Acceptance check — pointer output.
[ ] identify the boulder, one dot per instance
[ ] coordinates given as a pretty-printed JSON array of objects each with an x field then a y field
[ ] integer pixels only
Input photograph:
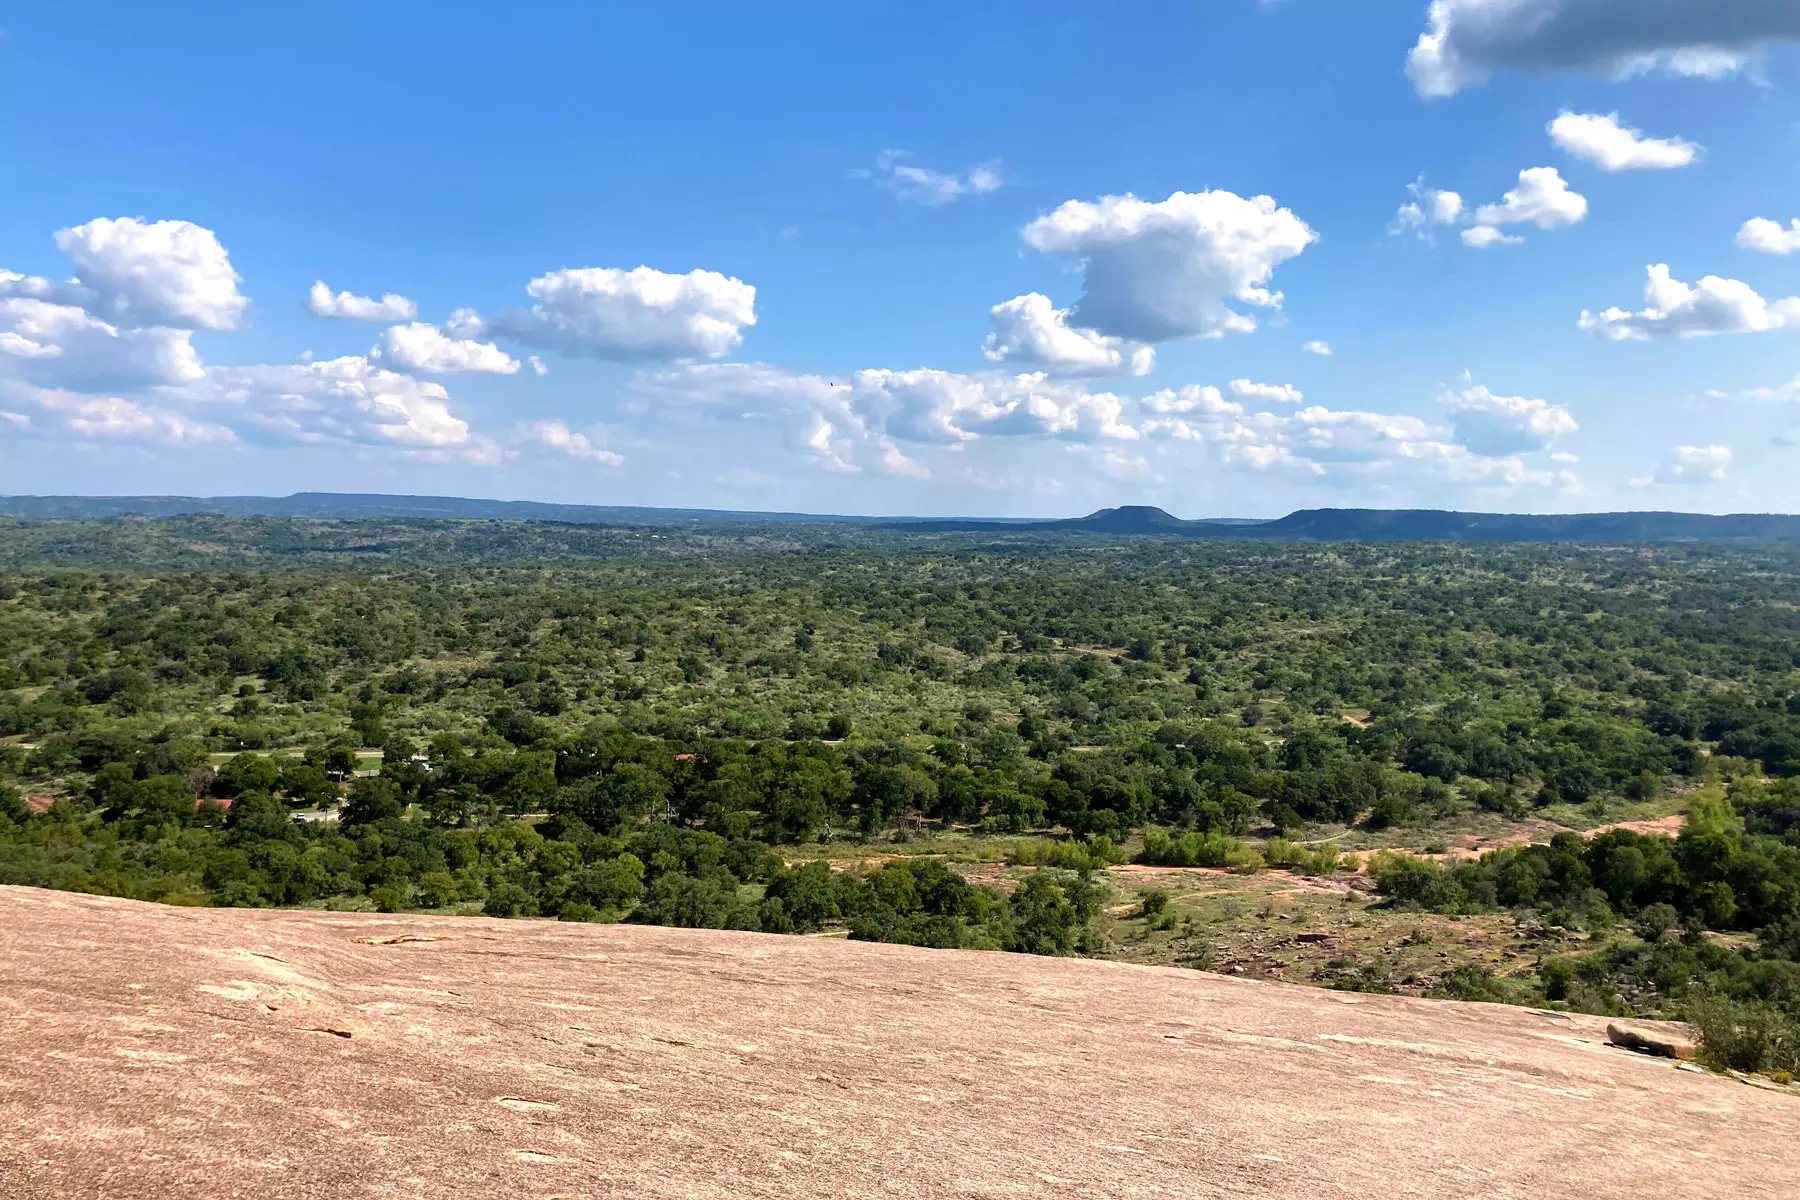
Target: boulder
[{"x": 1656, "y": 1043}]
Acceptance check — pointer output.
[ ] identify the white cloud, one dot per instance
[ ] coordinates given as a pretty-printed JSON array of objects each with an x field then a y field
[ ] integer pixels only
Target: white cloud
[
  {"x": 116, "y": 418},
  {"x": 14, "y": 284},
  {"x": 110, "y": 356},
  {"x": 171, "y": 273},
  {"x": 1193, "y": 398},
  {"x": 465, "y": 323},
  {"x": 844, "y": 424},
  {"x": 423, "y": 347},
  {"x": 555, "y": 435},
  {"x": 1277, "y": 393},
  {"x": 1428, "y": 207},
  {"x": 1483, "y": 236},
  {"x": 895, "y": 462},
  {"x": 1677, "y": 310},
  {"x": 1781, "y": 394},
  {"x": 1466, "y": 41},
  {"x": 606, "y": 312},
  {"x": 1322, "y": 349},
  {"x": 944, "y": 407},
  {"x": 62, "y": 346},
  {"x": 537, "y": 365},
  {"x": 1611, "y": 146},
  {"x": 1349, "y": 447},
  {"x": 1769, "y": 237},
  {"x": 921, "y": 185},
  {"x": 350, "y": 307},
  {"x": 1155, "y": 272},
  {"x": 1501, "y": 425},
  {"x": 343, "y": 400},
  {"x": 925, "y": 423},
  {"x": 1031, "y": 331},
  {"x": 1542, "y": 198},
  {"x": 1693, "y": 465}
]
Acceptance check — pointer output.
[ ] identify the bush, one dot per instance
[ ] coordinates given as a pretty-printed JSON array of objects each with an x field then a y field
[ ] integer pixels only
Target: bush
[
  {"x": 1411, "y": 881},
  {"x": 1745, "y": 1035},
  {"x": 571, "y": 911},
  {"x": 1469, "y": 982},
  {"x": 1302, "y": 860},
  {"x": 507, "y": 900},
  {"x": 1095, "y": 855},
  {"x": 1196, "y": 850},
  {"x": 1043, "y": 919}
]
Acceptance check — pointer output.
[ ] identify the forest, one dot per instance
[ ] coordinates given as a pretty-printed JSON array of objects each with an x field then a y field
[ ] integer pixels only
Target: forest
[{"x": 1007, "y": 741}]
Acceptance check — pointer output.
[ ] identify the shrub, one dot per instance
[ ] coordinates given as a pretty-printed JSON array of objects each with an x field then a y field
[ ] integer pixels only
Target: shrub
[
  {"x": 507, "y": 900},
  {"x": 1469, "y": 982},
  {"x": 1409, "y": 880},
  {"x": 1095, "y": 855},
  {"x": 1745, "y": 1035},
  {"x": 1302, "y": 860},
  {"x": 1196, "y": 850}
]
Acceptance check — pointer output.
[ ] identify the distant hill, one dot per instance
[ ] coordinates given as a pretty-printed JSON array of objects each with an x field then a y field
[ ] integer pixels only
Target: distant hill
[
  {"x": 1127, "y": 519},
  {"x": 1406, "y": 525},
  {"x": 351, "y": 506},
  {"x": 1132, "y": 520}
]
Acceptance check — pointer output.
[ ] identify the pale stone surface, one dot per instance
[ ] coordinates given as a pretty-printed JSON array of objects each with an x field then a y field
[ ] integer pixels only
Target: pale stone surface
[{"x": 151, "y": 1052}]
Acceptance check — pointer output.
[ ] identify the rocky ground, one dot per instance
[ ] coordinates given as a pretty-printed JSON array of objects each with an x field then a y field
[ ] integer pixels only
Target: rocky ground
[{"x": 153, "y": 1052}]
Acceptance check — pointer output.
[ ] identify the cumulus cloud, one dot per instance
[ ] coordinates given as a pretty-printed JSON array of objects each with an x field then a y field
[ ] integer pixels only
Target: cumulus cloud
[
  {"x": 60, "y": 345},
  {"x": 1612, "y": 146},
  {"x": 557, "y": 436},
  {"x": 1692, "y": 465},
  {"x": 169, "y": 273},
  {"x": 1483, "y": 236},
  {"x": 862, "y": 420},
  {"x": 1466, "y": 41},
  {"x": 423, "y": 347},
  {"x": 1542, "y": 198},
  {"x": 14, "y": 284},
  {"x": 115, "y": 418},
  {"x": 1769, "y": 237},
  {"x": 1277, "y": 393},
  {"x": 811, "y": 412},
  {"x": 1322, "y": 349},
  {"x": 1675, "y": 309},
  {"x": 109, "y": 355},
  {"x": 1782, "y": 393},
  {"x": 921, "y": 185},
  {"x": 945, "y": 407},
  {"x": 1428, "y": 207},
  {"x": 1501, "y": 425},
  {"x": 1031, "y": 331},
  {"x": 348, "y": 306},
  {"x": 1345, "y": 446},
  {"x": 342, "y": 400},
  {"x": 607, "y": 312},
  {"x": 1171, "y": 269}
]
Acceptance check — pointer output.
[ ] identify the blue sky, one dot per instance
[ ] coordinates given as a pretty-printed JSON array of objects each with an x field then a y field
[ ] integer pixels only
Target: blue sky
[{"x": 931, "y": 258}]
